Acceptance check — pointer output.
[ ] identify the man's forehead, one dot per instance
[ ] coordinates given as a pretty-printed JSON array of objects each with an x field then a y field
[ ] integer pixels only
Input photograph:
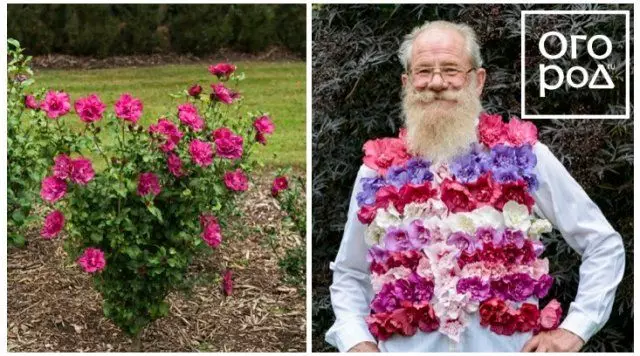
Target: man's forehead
[{"x": 437, "y": 41}]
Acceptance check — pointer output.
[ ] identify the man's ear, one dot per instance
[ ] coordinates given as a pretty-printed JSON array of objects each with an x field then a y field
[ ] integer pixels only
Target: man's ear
[
  {"x": 481, "y": 76},
  {"x": 404, "y": 78}
]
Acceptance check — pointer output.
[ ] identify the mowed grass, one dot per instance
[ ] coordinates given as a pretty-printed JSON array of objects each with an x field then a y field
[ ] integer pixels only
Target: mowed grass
[{"x": 274, "y": 87}]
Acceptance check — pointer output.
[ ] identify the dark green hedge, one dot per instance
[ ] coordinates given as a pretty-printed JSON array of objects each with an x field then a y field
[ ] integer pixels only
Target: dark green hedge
[
  {"x": 356, "y": 96},
  {"x": 125, "y": 29}
]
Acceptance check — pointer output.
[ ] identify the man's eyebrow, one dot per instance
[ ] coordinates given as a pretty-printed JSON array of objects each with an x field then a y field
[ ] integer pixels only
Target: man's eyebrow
[{"x": 442, "y": 64}]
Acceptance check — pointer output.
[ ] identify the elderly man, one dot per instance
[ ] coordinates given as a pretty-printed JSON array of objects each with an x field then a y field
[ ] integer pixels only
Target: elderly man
[{"x": 441, "y": 250}]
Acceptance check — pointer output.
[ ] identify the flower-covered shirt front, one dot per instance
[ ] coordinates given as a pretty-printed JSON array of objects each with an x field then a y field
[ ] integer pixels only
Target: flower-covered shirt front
[{"x": 448, "y": 239}]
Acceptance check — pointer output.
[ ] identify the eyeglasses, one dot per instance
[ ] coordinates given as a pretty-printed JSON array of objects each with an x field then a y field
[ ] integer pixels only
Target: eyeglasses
[{"x": 451, "y": 75}]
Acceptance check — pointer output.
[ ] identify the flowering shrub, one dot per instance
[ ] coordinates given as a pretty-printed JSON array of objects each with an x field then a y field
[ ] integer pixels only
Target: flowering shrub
[
  {"x": 290, "y": 196},
  {"x": 34, "y": 134},
  {"x": 161, "y": 200}
]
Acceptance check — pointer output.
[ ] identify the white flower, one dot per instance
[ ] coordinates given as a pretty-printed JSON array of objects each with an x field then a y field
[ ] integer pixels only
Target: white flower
[
  {"x": 538, "y": 227},
  {"x": 488, "y": 216},
  {"x": 373, "y": 234},
  {"x": 516, "y": 216},
  {"x": 431, "y": 207},
  {"x": 461, "y": 222}
]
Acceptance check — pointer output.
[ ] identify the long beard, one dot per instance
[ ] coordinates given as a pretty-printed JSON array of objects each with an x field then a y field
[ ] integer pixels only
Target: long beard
[{"x": 438, "y": 130}]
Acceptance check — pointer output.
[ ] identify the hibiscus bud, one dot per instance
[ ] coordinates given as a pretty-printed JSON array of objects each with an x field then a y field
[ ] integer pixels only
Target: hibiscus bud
[
  {"x": 98, "y": 129},
  {"x": 195, "y": 90},
  {"x": 30, "y": 102}
]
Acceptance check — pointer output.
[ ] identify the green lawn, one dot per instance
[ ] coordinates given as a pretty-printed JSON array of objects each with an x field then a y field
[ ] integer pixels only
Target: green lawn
[{"x": 277, "y": 88}]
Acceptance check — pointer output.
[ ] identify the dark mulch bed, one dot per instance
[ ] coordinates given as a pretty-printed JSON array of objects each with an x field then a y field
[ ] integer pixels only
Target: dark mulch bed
[
  {"x": 51, "y": 305},
  {"x": 63, "y": 61}
]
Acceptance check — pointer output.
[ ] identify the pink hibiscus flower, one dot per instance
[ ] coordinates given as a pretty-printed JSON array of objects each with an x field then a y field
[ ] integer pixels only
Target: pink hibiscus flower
[
  {"x": 53, "y": 224},
  {"x": 128, "y": 108},
  {"x": 90, "y": 108},
  {"x": 53, "y": 189},
  {"x": 201, "y": 153},
  {"x": 56, "y": 104},
  {"x": 380, "y": 154},
  {"x": 92, "y": 260},
  {"x": 148, "y": 183},
  {"x": 236, "y": 180},
  {"x": 222, "y": 70}
]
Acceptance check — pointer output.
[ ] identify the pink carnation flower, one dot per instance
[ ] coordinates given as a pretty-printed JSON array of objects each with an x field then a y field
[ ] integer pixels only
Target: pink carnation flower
[
  {"x": 92, "y": 260},
  {"x": 227, "y": 282},
  {"x": 170, "y": 132},
  {"x": 30, "y": 102},
  {"x": 236, "y": 180},
  {"x": 62, "y": 166},
  {"x": 380, "y": 154},
  {"x": 53, "y": 224},
  {"x": 82, "y": 171},
  {"x": 211, "y": 230},
  {"x": 56, "y": 104},
  {"x": 148, "y": 184},
  {"x": 201, "y": 152},
  {"x": 53, "y": 189},
  {"x": 228, "y": 145},
  {"x": 174, "y": 164},
  {"x": 128, "y": 108},
  {"x": 550, "y": 315},
  {"x": 222, "y": 93},
  {"x": 222, "y": 70},
  {"x": 491, "y": 129},
  {"x": 188, "y": 114},
  {"x": 90, "y": 109},
  {"x": 520, "y": 132},
  {"x": 279, "y": 184}
]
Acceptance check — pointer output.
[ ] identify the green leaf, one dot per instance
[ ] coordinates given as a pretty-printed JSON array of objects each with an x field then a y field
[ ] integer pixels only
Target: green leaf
[{"x": 95, "y": 237}]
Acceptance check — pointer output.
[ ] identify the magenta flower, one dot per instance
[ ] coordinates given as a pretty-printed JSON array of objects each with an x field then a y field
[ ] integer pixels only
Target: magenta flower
[
  {"x": 92, "y": 260},
  {"x": 236, "y": 180},
  {"x": 260, "y": 138},
  {"x": 170, "y": 132},
  {"x": 62, "y": 167},
  {"x": 479, "y": 289},
  {"x": 53, "y": 224},
  {"x": 195, "y": 90},
  {"x": 148, "y": 184},
  {"x": 228, "y": 145},
  {"x": 201, "y": 153},
  {"x": 222, "y": 93},
  {"x": 264, "y": 125},
  {"x": 30, "y": 102},
  {"x": 417, "y": 234},
  {"x": 82, "y": 171},
  {"x": 222, "y": 70},
  {"x": 386, "y": 300},
  {"x": 128, "y": 108},
  {"x": 543, "y": 285},
  {"x": 396, "y": 239},
  {"x": 188, "y": 114},
  {"x": 211, "y": 232},
  {"x": 90, "y": 109},
  {"x": 279, "y": 184},
  {"x": 517, "y": 286},
  {"x": 227, "y": 282},
  {"x": 489, "y": 235},
  {"x": 174, "y": 164},
  {"x": 56, "y": 104},
  {"x": 53, "y": 189}
]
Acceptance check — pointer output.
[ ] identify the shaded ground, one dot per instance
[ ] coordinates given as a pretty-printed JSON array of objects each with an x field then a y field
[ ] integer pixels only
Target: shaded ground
[
  {"x": 51, "y": 305},
  {"x": 62, "y": 61}
]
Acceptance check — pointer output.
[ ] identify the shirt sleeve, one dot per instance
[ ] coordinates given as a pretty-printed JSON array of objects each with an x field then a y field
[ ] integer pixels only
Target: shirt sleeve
[
  {"x": 351, "y": 290},
  {"x": 562, "y": 201}
]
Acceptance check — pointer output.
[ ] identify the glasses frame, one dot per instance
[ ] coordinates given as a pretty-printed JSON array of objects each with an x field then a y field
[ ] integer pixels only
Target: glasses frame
[{"x": 438, "y": 70}]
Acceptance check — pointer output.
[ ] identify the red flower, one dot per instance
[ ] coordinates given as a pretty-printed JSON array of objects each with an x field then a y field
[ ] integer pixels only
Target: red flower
[
  {"x": 427, "y": 319},
  {"x": 484, "y": 190},
  {"x": 491, "y": 310},
  {"x": 516, "y": 191},
  {"x": 527, "y": 319},
  {"x": 222, "y": 70},
  {"x": 403, "y": 321},
  {"x": 367, "y": 213},
  {"x": 386, "y": 195},
  {"x": 408, "y": 259},
  {"x": 380, "y": 154},
  {"x": 279, "y": 184},
  {"x": 416, "y": 194},
  {"x": 195, "y": 90},
  {"x": 457, "y": 197},
  {"x": 491, "y": 129},
  {"x": 379, "y": 326}
]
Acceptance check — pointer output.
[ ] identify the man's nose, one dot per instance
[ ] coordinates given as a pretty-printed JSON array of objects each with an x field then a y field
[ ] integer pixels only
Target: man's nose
[{"x": 437, "y": 83}]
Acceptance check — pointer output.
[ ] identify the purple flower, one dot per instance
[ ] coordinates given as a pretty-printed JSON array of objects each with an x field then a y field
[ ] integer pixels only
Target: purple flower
[
  {"x": 418, "y": 170},
  {"x": 370, "y": 187},
  {"x": 479, "y": 156},
  {"x": 543, "y": 285},
  {"x": 377, "y": 254},
  {"x": 418, "y": 235},
  {"x": 466, "y": 169},
  {"x": 517, "y": 286},
  {"x": 464, "y": 241},
  {"x": 397, "y": 176},
  {"x": 479, "y": 289},
  {"x": 386, "y": 300},
  {"x": 422, "y": 288},
  {"x": 489, "y": 235},
  {"x": 514, "y": 236},
  {"x": 532, "y": 181},
  {"x": 396, "y": 240},
  {"x": 525, "y": 159},
  {"x": 502, "y": 157},
  {"x": 504, "y": 175}
]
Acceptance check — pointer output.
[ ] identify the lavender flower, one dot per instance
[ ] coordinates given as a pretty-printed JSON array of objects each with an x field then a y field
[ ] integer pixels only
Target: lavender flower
[
  {"x": 466, "y": 169},
  {"x": 489, "y": 235},
  {"x": 397, "y": 176},
  {"x": 503, "y": 175},
  {"x": 503, "y": 157},
  {"x": 377, "y": 254},
  {"x": 464, "y": 241},
  {"x": 525, "y": 159},
  {"x": 532, "y": 181},
  {"x": 370, "y": 187},
  {"x": 418, "y": 235},
  {"x": 396, "y": 239},
  {"x": 418, "y": 170},
  {"x": 514, "y": 236}
]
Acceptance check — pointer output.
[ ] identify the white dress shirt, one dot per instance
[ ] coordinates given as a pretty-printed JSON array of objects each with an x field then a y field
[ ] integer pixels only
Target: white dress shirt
[{"x": 559, "y": 199}]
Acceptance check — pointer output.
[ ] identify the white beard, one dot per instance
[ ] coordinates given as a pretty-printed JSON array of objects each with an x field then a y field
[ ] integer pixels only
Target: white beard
[{"x": 438, "y": 130}]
